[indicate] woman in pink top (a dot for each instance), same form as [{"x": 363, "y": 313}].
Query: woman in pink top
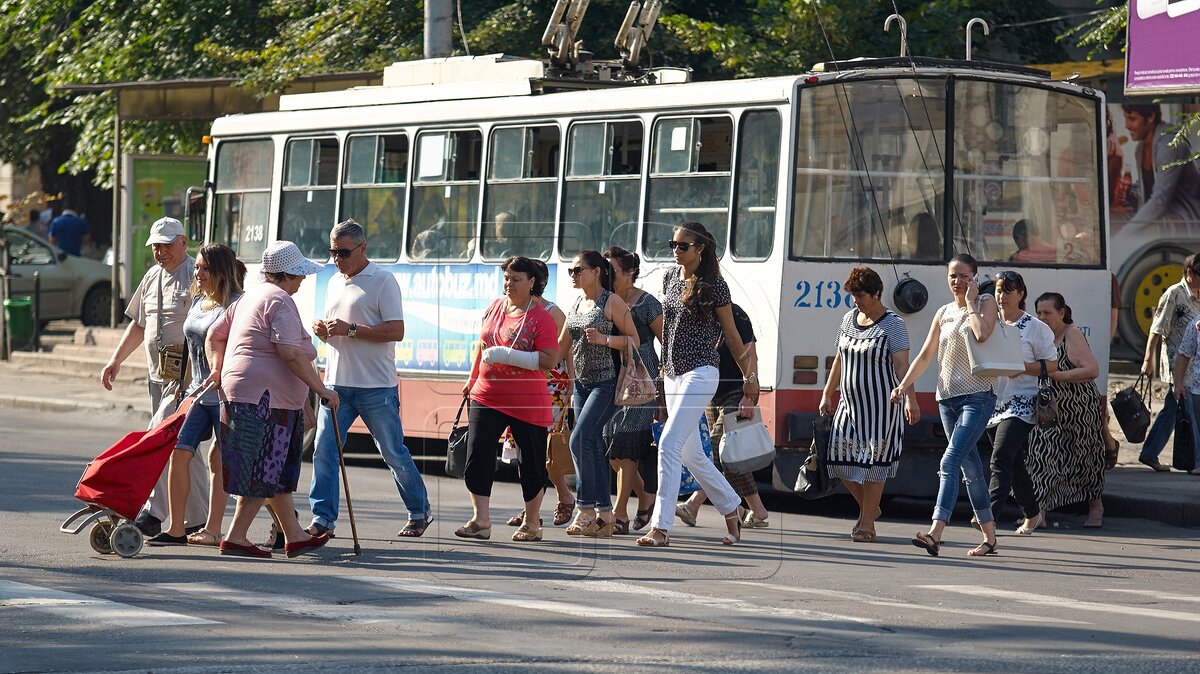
[
  {"x": 508, "y": 389},
  {"x": 261, "y": 358}
]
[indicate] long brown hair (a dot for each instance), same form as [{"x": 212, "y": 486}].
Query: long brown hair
[
  {"x": 228, "y": 271},
  {"x": 699, "y": 295}
]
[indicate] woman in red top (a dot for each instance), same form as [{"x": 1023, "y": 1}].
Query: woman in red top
[{"x": 507, "y": 388}]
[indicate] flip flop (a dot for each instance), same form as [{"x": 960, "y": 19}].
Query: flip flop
[
  {"x": 204, "y": 537},
  {"x": 923, "y": 540},
  {"x": 415, "y": 528},
  {"x": 642, "y": 520},
  {"x": 983, "y": 550}
]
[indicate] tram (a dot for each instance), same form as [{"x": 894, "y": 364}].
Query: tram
[{"x": 454, "y": 164}]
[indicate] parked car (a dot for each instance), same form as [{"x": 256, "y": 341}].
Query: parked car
[{"x": 71, "y": 287}]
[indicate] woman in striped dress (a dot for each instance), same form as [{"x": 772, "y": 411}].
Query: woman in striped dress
[
  {"x": 872, "y": 354},
  {"x": 1067, "y": 462},
  {"x": 965, "y": 401}
]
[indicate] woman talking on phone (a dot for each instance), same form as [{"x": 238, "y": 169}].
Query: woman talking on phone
[{"x": 965, "y": 401}]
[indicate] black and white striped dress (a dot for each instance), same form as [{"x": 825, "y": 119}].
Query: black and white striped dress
[
  {"x": 1066, "y": 462},
  {"x": 867, "y": 428}
]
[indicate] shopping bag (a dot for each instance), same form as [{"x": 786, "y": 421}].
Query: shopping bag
[
  {"x": 687, "y": 483},
  {"x": 1132, "y": 413},
  {"x": 1000, "y": 355},
  {"x": 456, "y": 445},
  {"x": 635, "y": 386},
  {"x": 813, "y": 481},
  {"x": 746, "y": 445}
]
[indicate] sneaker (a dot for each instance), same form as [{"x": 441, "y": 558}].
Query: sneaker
[{"x": 149, "y": 525}]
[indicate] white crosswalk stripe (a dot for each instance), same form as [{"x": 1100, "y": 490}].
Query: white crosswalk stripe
[
  {"x": 298, "y": 606},
  {"x": 1062, "y": 602},
  {"x": 855, "y": 597},
  {"x": 499, "y": 598},
  {"x": 88, "y": 609},
  {"x": 1154, "y": 594}
]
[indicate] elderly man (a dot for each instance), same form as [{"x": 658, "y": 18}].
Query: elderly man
[
  {"x": 156, "y": 311},
  {"x": 363, "y": 321},
  {"x": 1177, "y": 308}
]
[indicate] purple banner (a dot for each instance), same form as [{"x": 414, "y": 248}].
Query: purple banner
[{"x": 1163, "y": 53}]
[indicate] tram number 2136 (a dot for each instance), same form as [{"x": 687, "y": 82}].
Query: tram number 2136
[{"x": 822, "y": 295}]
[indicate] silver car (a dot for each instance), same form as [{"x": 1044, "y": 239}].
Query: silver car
[{"x": 72, "y": 287}]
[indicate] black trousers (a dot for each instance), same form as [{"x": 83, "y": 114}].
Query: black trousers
[
  {"x": 1010, "y": 444},
  {"x": 485, "y": 426}
]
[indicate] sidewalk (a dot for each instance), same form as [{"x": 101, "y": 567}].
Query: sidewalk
[{"x": 1131, "y": 489}]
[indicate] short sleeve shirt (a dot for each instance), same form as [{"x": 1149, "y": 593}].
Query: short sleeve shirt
[
  {"x": 1176, "y": 309},
  {"x": 1188, "y": 348},
  {"x": 263, "y": 318},
  {"x": 690, "y": 335},
  {"x": 176, "y": 301},
  {"x": 370, "y": 297},
  {"x": 731, "y": 373},
  {"x": 513, "y": 390},
  {"x": 1015, "y": 395}
]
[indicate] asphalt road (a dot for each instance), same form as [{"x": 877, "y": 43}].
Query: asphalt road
[{"x": 799, "y": 597}]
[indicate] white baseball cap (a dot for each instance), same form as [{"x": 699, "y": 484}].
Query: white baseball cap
[
  {"x": 284, "y": 257},
  {"x": 165, "y": 230}
]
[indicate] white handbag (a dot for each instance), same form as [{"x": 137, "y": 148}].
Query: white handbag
[
  {"x": 1000, "y": 355},
  {"x": 746, "y": 446}
]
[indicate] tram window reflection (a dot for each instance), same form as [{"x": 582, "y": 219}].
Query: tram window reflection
[
  {"x": 690, "y": 180},
  {"x": 602, "y": 186},
  {"x": 243, "y": 196},
  {"x": 522, "y": 188},
  {"x": 444, "y": 205},
  {"x": 374, "y": 189}
]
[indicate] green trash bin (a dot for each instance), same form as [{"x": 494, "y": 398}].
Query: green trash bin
[{"x": 18, "y": 317}]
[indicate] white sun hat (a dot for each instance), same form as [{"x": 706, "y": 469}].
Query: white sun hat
[
  {"x": 165, "y": 230},
  {"x": 283, "y": 257}
]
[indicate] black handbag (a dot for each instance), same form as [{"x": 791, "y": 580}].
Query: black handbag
[
  {"x": 456, "y": 445},
  {"x": 813, "y": 480},
  {"x": 1132, "y": 413},
  {"x": 1045, "y": 405},
  {"x": 1183, "y": 450}
]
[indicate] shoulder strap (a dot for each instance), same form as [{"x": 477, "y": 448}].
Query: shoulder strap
[{"x": 159, "y": 330}]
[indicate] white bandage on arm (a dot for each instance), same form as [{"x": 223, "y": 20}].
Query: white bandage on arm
[{"x": 509, "y": 356}]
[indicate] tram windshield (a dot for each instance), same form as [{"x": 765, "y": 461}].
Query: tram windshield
[{"x": 872, "y": 158}]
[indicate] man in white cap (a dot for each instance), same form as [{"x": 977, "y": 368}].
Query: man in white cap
[{"x": 156, "y": 313}]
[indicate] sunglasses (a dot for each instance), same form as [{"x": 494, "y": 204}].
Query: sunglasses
[
  {"x": 681, "y": 246},
  {"x": 1009, "y": 277},
  {"x": 344, "y": 252},
  {"x": 576, "y": 271}
]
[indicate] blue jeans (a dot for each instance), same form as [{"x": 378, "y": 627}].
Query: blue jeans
[
  {"x": 198, "y": 426},
  {"x": 1161, "y": 430},
  {"x": 964, "y": 418},
  {"x": 594, "y": 407},
  {"x": 380, "y": 411}
]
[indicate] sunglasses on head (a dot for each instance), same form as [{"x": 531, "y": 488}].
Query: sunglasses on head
[
  {"x": 343, "y": 252},
  {"x": 1009, "y": 277},
  {"x": 681, "y": 246},
  {"x": 576, "y": 271}
]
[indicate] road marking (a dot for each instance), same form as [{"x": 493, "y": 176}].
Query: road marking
[
  {"x": 298, "y": 606},
  {"x": 1167, "y": 596},
  {"x": 1062, "y": 602},
  {"x": 498, "y": 598},
  {"x": 736, "y": 605},
  {"x": 88, "y": 609},
  {"x": 876, "y": 601}
]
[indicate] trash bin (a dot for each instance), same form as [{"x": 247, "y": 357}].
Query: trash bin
[{"x": 18, "y": 317}]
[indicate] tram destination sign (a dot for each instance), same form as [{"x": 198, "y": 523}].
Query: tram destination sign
[{"x": 1162, "y": 56}]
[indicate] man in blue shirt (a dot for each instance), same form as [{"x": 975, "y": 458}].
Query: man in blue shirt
[{"x": 68, "y": 231}]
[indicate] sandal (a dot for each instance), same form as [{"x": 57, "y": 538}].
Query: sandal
[
  {"x": 642, "y": 520},
  {"x": 598, "y": 528},
  {"x": 863, "y": 536},
  {"x": 473, "y": 530},
  {"x": 736, "y": 516},
  {"x": 525, "y": 535},
  {"x": 652, "y": 540},
  {"x": 685, "y": 515},
  {"x": 923, "y": 540},
  {"x": 204, "y": 537},
  {"x": 753, "y": 521},
  {"x": 517, "y": 520},
  {"x": 579, "y": 525},
  {"x": 984, "y": 550},
  {"x": 416, "y": 528},
  {"x": 562, "y": 513},
  {"x": 620, "y": 527},
  {"x": 1028, "y": 529}
]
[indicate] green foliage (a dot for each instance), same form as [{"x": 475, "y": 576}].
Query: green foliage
[{"x": 1102, "y": 31}]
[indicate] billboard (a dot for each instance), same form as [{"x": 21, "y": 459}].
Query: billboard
[
  {"x": 155, "y": 186},
  {"x": 1161, "y": 55}
]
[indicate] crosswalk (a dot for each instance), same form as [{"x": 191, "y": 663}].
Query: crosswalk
[{"x": 380, "y": 599}]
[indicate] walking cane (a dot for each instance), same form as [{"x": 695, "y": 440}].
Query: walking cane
[{"x": 337, "y": 436}]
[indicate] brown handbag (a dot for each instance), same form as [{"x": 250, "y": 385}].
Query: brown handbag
[
  {"x": 634, "y": 384},
  {"x": 558, "y": 451}
]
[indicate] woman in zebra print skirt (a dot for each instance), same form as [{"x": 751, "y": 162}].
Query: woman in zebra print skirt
[
  {"x": 1067, "y": 462},
  {"x": 872, "y": 356}
]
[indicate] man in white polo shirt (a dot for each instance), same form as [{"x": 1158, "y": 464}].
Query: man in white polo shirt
[{"x": 363, "y": 321}]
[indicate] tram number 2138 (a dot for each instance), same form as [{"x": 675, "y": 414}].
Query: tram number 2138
[{"x": 822, "y": 295}]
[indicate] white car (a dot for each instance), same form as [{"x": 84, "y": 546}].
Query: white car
[{"x": 71, "y": 287}]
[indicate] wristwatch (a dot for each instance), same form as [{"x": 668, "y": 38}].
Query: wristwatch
[
  {"x": 352, "y": 333},
  {"x": 751, "y": 378}
]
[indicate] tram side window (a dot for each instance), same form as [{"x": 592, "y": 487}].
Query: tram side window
[
  {"x": 757, "y": 183},
  {"x": 243, "y": 196},
  {"x": 1026, "y": 175},
  {"x": 602, "y": 187},
  {"x": 373, "y": 190},
  {"x": 445, "y": 195},
  {"x": 869, "y": 174},
  {"x": 309, "y": 189},
  {"x": 522, "y": 185},
  {"x": 689, "y": 180}
]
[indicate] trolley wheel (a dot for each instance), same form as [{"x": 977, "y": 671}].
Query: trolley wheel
[
  {"x": 98, "y": 537},
  {"x": 126, "y": 540}
]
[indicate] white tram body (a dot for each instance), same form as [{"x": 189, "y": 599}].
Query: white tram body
[{"x": 896, "y": 164}]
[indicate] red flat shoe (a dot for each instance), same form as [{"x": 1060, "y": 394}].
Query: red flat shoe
[
  {"x": 239, "y": 550},
  {"x": 297, "y": 549}
]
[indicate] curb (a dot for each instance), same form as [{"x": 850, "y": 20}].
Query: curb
[
  {"x": 1173, "y": 513},
  {"x": 59, "y": 406}
]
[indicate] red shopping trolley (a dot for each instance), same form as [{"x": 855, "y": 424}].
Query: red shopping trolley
[{"x": 116, "y": 484}]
